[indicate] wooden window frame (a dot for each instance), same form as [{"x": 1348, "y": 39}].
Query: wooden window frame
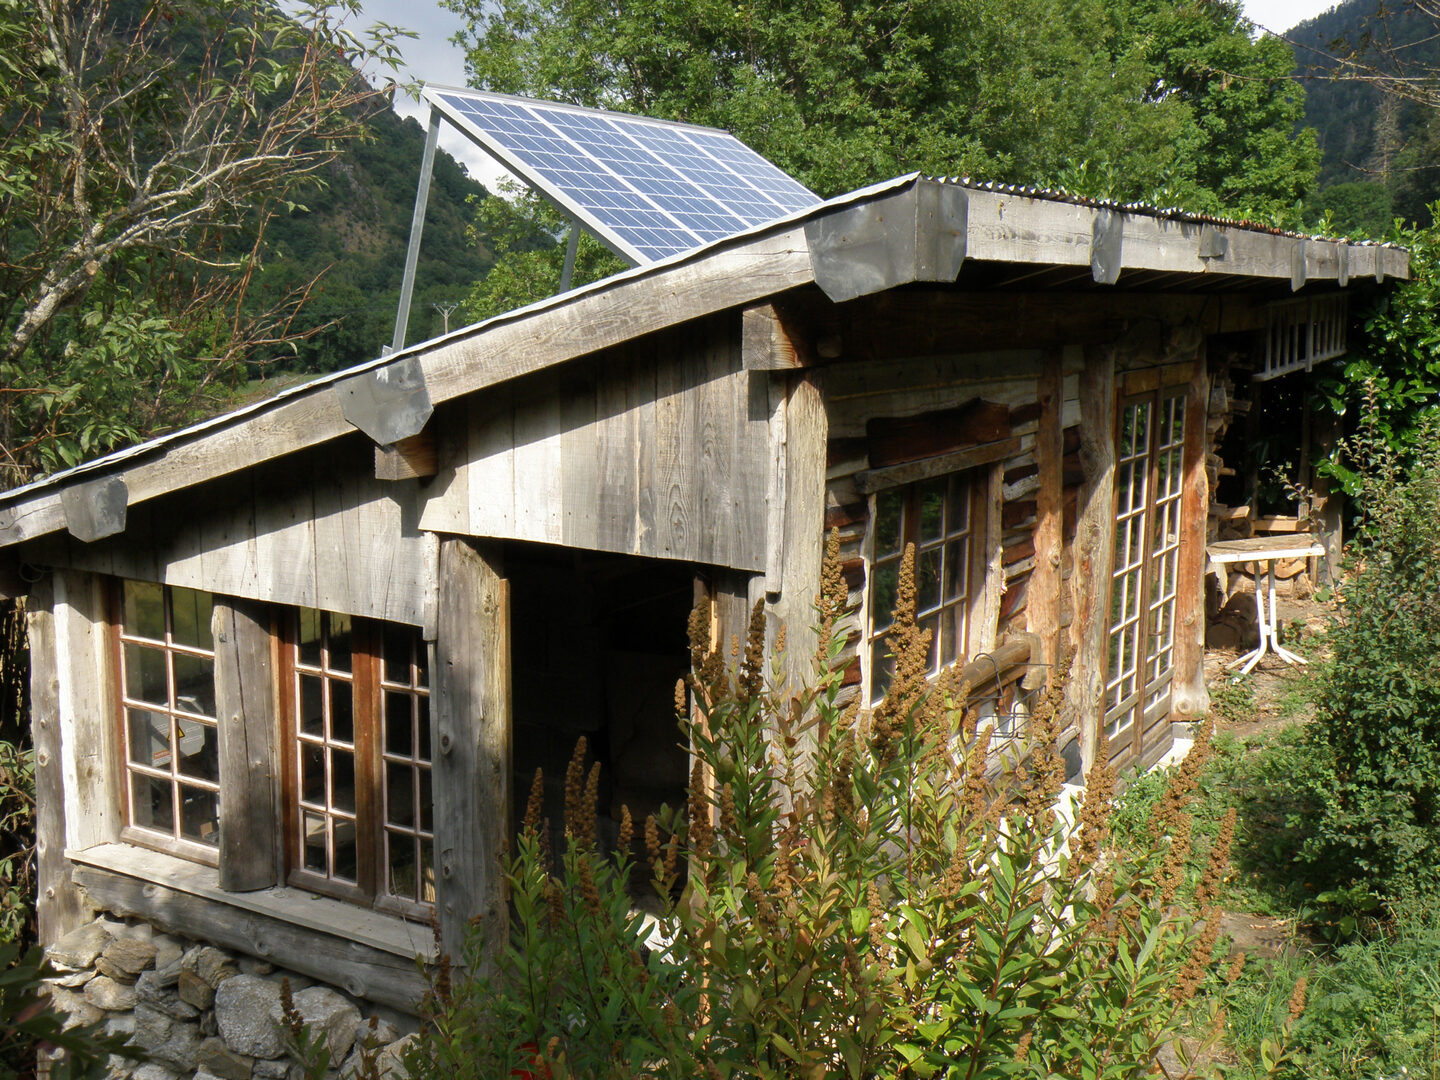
[
  {"x": 973, "y": 601},
  {"x": 147, "y": 836},
  {"x": 1137, "y": 709},
  {"x": 370, "y": 688}
]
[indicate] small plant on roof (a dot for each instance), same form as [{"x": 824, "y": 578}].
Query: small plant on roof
[{"x": 845, "y": 894}]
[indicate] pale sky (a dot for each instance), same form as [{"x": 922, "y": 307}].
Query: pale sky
[{"x": 432, "y": 58}]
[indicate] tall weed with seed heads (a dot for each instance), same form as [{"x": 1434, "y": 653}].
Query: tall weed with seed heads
[{"x": 847, "y": 893}]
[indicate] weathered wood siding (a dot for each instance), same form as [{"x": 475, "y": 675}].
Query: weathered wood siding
[
  {"x": 315, "y": 529},
  {"x": 654, "y": 448}
]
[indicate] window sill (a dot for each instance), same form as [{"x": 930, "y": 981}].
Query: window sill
[{"x": 387, "y": 933}]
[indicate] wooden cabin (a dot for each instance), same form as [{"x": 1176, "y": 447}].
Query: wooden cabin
[{"x": 293, "y": 666}]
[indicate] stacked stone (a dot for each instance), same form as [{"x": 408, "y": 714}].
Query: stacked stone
[{"x": 196, "y": 1012}]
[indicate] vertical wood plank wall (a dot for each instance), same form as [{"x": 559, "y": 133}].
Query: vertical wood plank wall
[
  {"x": 312, "y": 530},
  {"x": 657, "y": 448}
]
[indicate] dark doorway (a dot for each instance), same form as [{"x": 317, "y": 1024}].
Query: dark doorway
[{"x": 598, "y": 644}]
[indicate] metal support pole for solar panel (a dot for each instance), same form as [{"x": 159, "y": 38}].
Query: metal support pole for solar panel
[
  {"x": 417, "y": 226},
  {"x": 572, "y": 245}
]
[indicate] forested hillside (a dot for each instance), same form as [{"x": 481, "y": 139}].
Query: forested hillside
[
  {"x": 1378, "y": 148},
  {"x": 354, "y": 230}
]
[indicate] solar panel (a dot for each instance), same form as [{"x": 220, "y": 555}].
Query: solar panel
[{"x": 647, "y": 188}]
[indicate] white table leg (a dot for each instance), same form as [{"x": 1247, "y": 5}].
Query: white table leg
[
  {"x": 1280, "y": 651},
  {"x": 1262, "y": 625}
]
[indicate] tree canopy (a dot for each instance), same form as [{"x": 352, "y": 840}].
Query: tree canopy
[
  {"x": 138, "y": 139},
  {"x": 1132, "y": 98}
]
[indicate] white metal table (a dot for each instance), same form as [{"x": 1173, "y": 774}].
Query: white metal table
[{"x": 1263, "y": 552}]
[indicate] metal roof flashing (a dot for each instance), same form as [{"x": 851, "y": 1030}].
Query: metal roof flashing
[{"x": 908, "y": 229}]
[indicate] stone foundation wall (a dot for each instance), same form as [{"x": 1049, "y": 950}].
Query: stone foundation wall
[{"x": 197, "y": 1012}]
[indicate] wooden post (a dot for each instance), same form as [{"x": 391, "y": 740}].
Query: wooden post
[
  {"x": 471, "y": 703},
  {"x": 1188, "y": 696},
  {"x": 59, "y": 906},
  {"x": 246, "y": 711},
  {"x": 803, "y": 526},
  {"x": 87, "y": 709},
  {"x": 1094, "y": 549},
  {"x": 1042, "y": 609}
]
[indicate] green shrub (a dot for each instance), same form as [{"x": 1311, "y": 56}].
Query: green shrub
[
  {"x": 29, "y": 1026},
  {"x": 846, "y": 894},
  {"x": 17, "y": 843},
  {"x": 1376, "y": 739}
]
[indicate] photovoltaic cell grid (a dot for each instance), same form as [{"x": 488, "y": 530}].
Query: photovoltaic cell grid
[{"x": 651, "y": 188}]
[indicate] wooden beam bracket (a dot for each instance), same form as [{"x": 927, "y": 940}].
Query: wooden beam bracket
[
  {"x": 95, "y": 510},
  {"x": 918, "y": 234},
  {"x": 387, "y": 403},
  {"x": 1106, "y": 237}
]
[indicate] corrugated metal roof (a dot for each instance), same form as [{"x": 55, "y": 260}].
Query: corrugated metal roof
[{"x": 1147, "y": 209}]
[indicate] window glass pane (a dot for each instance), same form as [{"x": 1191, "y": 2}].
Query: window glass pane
[
  {"x": 151, "y": 808},
  {"x": 927, "y": 580},
  {"x": 342, "y": 711},
  {"x": 342, "y": 780},
  {"x": 958, "y": 511},
  {"x": 313, "y": 832},
  {"x": 400, "y": 794},
  {"x": 397, "y": 646},
  {"x": 427, "y": 871},
  {"x": 199, "y": 815},
  {"x": 427, "y": 806},
  {"x": 422, "y": 662},
  {"x": 194, "y": 684},
  {"x": 947, "y": 636},
  {"x": 957, "y": 566},
  {"x": 338, "y": 641},
  {"x": 144, "y": 612},
  {"x": 312, "y": 713},
  {"x": 145, "y": 674},
  {"x": 932, "y": 510},
  {"x": 309, "y": 637},
  {"x": 346, "y": 867},
  {"x": 399, "y": 738},
  {"x": 889, "y": 510},
  {"x": 401, "y": 869},
  {"x": 423, "y": 724},
  {"x": 884, "y": 580},
  {"x": 882, "y": 667},
  {"x": 312, "y": 774},
  {"x": 933, "y": 625},
  {"x": 190, "y": 618},
  {"x": 199, "y": 750},
  {"x": 149, "y": 738}
]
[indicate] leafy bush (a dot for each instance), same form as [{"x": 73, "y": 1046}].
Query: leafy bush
[
  {"x": 17, "y": 842},
  {"x": 847, "y": 894},
  {"x": 1376, "y": 739},
  {"x": 29, "y": 1026}
]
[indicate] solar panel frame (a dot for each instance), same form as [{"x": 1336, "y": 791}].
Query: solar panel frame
[{"x": 648, "y": 189}]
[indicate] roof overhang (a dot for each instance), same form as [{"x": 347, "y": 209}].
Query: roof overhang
[{"x": 903, "y": 231}]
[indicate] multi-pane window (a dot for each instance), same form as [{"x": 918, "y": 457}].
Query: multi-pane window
[
  {"x": 359, "y": 809},
  {"x": 1148, "y": 480},
  {"x": 941, "y": 518},
  {"x": 168, "y": 728}
]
